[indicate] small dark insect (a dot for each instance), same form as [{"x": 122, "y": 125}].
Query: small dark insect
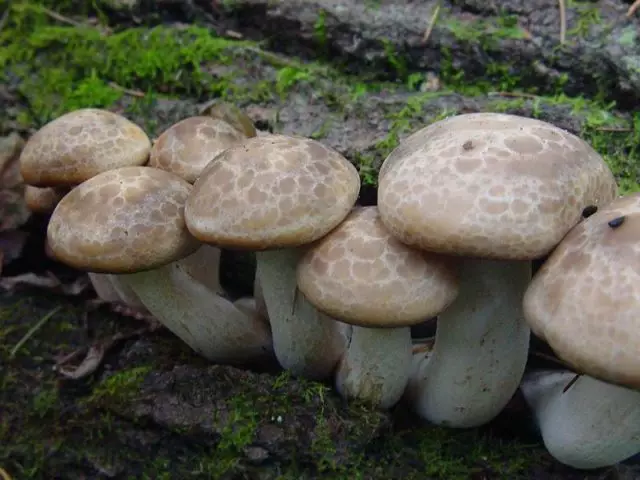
[
  {"x": 616, "y": 222},
  {"x": 570, "y": 384},
  {"x": 589, "y": 210},
  {"x": 468, "y": 145}
]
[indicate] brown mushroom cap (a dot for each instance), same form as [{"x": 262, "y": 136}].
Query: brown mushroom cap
[
  {"x": 81, "y": 144},
  {"x": 271, "y": 192},
  {"x": 490, "y": 185},
  {"x": 43, "y": 199},
  {"x": 188, "y": 146},
  {"x": 361, "y": 275},
  {"x": 122, "y": 221},
  {"x": 231, "y": 114},
  {"x": 585, "y": 300}
]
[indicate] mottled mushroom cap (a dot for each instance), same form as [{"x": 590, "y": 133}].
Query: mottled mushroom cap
[
  {"x": 585, "y": 300},
  {"x": 361, "y": 275},
  {"x": 271, "y": 192},
  {"x": 43, "y": 199},
  {"x": 122, "y": 221},
  {"x": 188, "y": 146},
  {"x": 490, "y": 185},
  {"x": 231, "y": 114},
  {"x": 80, "y": 144}
]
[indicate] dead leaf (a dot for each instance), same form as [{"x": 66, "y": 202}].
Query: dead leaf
[
  {"x": 89, "y": 364},
  {"x": 48, "y": 281},
  {"x": 95, "y": 354}
]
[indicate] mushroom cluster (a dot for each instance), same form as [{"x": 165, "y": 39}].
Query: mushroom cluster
[{"x": 464, "y": 207}]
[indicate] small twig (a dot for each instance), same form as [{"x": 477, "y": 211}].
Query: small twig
[
  {"x": 632, "y": 9},
  {"x": 432, "y": 24},
  {"x": 61, "y": 18},
  {"x": 563, "y": 21},
  {"x": 128, "y": 91},
  {"x": 33, "y": 330},
  {"x": 5, "y": 15},
  {"x": 513, "y": 95},
  {"x": 614, "y": 129},
  {"x": 4, "y": 475},
  {"x": 570, "y": 384}
]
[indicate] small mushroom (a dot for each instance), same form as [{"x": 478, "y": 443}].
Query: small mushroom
[
  {"x": 362, "y": 276},
  {"x": 43, "y": 199},
  {"x": 130, "y": 221},
  {"x": 274, "y": 195},
  {"x": 585, "y": 303},
  {"x": 231, "y": 114},
  {"x": 497, "y": 191}
]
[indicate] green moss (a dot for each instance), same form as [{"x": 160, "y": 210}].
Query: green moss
[{"x": 119, "y": 388}]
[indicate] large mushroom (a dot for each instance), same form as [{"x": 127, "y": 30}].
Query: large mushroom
[
  {"x": 130, "y": 221},
  {"x": 585, "y": 303},
  {"x": 497, "y": 191},
  {"x": 362, "y": 276},
  {"x": 73, "y": 148},
  {"x": 274, "y": 195}
]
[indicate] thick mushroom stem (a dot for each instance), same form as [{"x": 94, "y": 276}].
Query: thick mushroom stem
[
  {"x": 306, "y": 342},
  {"x": 376, "y": 365},
  {"x": 208, "y": 323},
  {"x": 592, "y": 424},
  {"x": 480, "y": 349}
]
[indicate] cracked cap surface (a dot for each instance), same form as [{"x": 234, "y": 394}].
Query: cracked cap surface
[
  {"x": 122, "y": 221},
  {"x": 188, "y": 146},
  {"x": 274, "y": 191},
  {"x": 585, "y": 300},
  {"x": 80, "y": 144},
  {"x": 490, "y": 185},
  {"x": 362, "y": 275}
]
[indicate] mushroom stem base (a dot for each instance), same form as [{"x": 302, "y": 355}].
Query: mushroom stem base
[
  {"x": 376, "y": 365},
  {"x": 210, "y": 324},
  {"x": 306, "y": 342},
  {"x": 480, "y": 350},
  {"x": 593, "y": 424}
]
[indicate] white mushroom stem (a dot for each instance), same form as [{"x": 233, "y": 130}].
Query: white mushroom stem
[
  {"x": 593, "y": 424},
  {"x": 208, "y": 323},
  {"x": 480, "y": 349},
  {"x": 204, "y": 266},
  {"x": 376, "y": 365},
  {"x": 306, "y": 342},
  {"x": 104, "y": 288}
]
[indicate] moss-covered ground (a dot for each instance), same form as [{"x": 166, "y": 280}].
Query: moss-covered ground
[
  {"x": 128, "y": 421},
  {"x": 63, "y": 55}
]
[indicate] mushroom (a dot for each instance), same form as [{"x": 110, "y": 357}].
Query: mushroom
[
  {"x": 497, "y": 191},
  {"x": 185, "y": 149},
  {"x": 71, "y": 149},
  {"x": 130, "y": 221},
  {"x": 274, "y": 195},
  {"x": 43, "y": 199},
  {"x": 361, "y": 275},
  {"x": 230, "y": 114},
  {"x": 585, "y": 303}
]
